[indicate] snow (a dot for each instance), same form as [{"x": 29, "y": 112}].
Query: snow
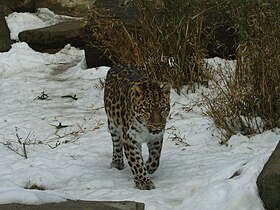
[{"x": 196, "y": 172}]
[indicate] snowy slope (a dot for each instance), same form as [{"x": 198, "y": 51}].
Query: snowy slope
[{"x": 196, "y": 172}]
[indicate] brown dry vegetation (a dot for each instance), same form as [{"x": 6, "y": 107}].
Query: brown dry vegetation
[
  {"x": 168, "y": 43},
  {"x": 249, "y": 101}
]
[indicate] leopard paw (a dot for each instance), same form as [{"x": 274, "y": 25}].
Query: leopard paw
[
  {"x": 117, "y": 164},
  {"x": 145, "y": 184},
  {"x": 151, "y": 167}
]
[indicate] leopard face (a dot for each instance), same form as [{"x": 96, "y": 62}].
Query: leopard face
[{"x": 151, "y": 105}]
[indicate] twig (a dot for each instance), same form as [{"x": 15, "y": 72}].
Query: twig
[
  {"x": 9, "y": 146},
  {"x": 98, "y": 108},
  {"x": 18, "y": 138},
  {"x": 43, "y": 96},
  {"x": 23, "y": 143},
  {"x": 74, "y": 97},
  {"x": 59, "y": 126},
  {"x": 176, "y": 136},
  {"x": 24, "y": 150}
]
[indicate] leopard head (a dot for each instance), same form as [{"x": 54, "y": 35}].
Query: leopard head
[{"x": 151, "y": 104}]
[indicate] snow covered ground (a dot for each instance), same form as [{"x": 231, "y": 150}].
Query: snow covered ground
[{"x": 68, "y": 147}]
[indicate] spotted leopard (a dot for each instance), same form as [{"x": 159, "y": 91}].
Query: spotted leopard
[{"x": 137, "y": 109}]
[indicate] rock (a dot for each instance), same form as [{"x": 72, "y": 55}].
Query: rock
[
  {"x": 55, "y": 36},
  {"x": 5, "y": 40},
  {"x": 66, "y": 7},
  {"x": 62, "y": 7},
  {"x": 81, "y": 205},
  {"x": 95, "y": 58},
  {"x": 268, "y": 181},
  {"x": 223, "y": 44},
  {"x": 123, "y": 12},
  {"x": 18, "y": 6}
]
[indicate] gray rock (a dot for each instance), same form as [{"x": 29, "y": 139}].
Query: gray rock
[
  {"x": 269, "y": 181},
  {"x": 79, "y": 205},
  {"x": 18, "y": 6},
  {"x": 5, "y": 41},
  {"x": 56, "y": 36},
  {"x": 95, "y": 58}
]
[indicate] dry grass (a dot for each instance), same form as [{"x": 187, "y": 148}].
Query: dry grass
[
  {"x": 165, "y": 43},
  {"x": 168, "y": 43},
  {"x": 249, "y": 99}
]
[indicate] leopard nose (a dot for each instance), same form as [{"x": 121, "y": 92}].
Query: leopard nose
[{"x": 156, "y": 118}]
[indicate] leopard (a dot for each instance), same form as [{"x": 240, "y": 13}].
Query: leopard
[{"x": 137, "y": 108}]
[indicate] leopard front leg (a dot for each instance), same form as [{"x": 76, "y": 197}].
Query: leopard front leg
[
  {"x": 154, "y": 155},
  {"x": 137, "y": 166},
  {"x": 116, "y": 134}
]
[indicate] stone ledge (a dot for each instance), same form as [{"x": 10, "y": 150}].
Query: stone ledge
[
  {"x": 55, "y": 36},
  {"x": 79, "y": 205}
]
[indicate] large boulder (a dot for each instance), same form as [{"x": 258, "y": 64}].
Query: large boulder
[
  {"x": 55, "y": 36},
  {"x": 269, "y": 181},
  {"x": 5, "y": 41}
]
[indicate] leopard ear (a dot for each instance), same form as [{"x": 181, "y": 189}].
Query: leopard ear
[
  {"x": 137, "y": 90},
  {"x": 165, "y": 88}
]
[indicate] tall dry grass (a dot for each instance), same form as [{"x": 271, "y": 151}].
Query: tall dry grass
[
  {"x": 165, "y": 42},
  {"x": 249, "y": 99},
  {"x": 168, "y": 43}
]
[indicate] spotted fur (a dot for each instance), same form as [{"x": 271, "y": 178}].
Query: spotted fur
[{"x": 137, "y": 109}]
